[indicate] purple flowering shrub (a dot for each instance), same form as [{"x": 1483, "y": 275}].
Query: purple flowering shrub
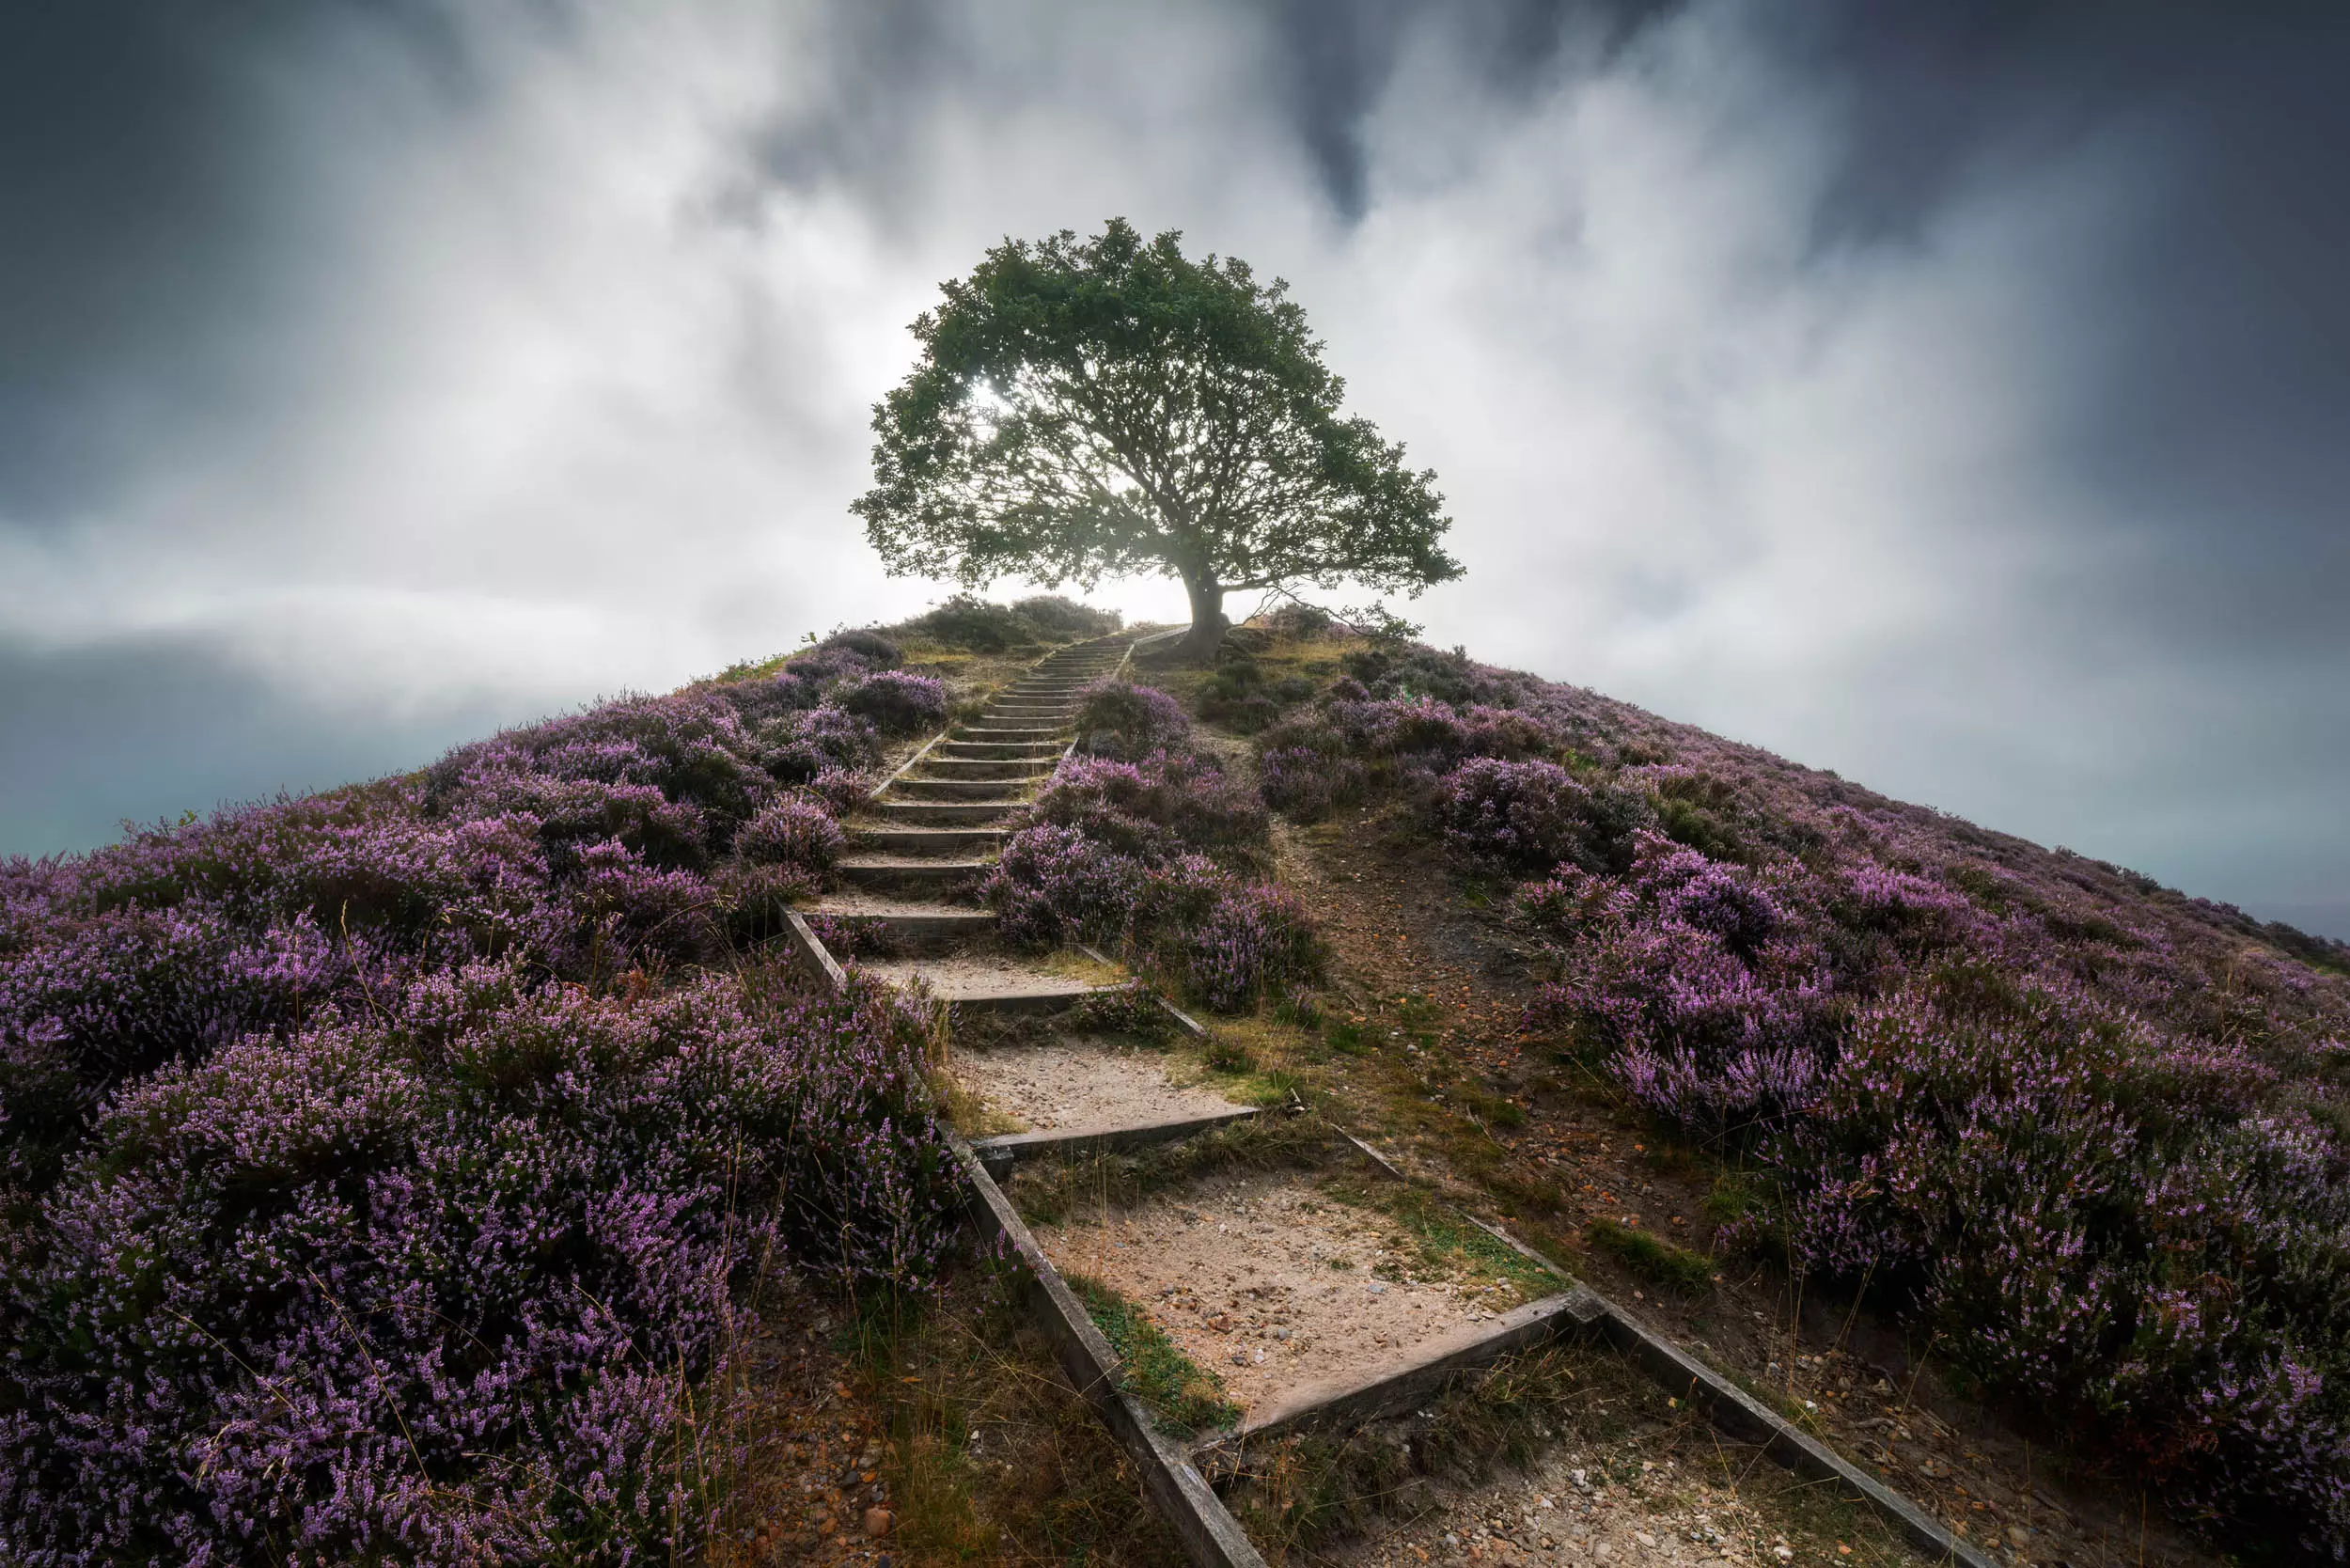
[
  {"x": 894, "y": 702},
  {"x": 1151, "y": 858},
  {"x": 804, "y": 747},
  {"x": 1689, "y": 979},
  {"x": 378, "y": 1169},
  {"x": 1121, "y": 720},
  {"x": 795, "y": 831},
  {"x": 1532, "y": 815},
  {"x": 1168, "y": 803},
  {"x": 2130, "y": 1231},
  {"x": 2092, "y": 1131},
  {"x": 446, "y": 1283}
]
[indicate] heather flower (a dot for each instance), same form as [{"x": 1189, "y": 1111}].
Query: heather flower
[
  {"x": 795, "y": 833},
  {"x": 1121, "y": 720},
  {"x": 802, "y": 746},
  {"x": 897, "y": 703}
]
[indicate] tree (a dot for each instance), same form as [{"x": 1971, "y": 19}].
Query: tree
[{"x": 1083, "y": 408}]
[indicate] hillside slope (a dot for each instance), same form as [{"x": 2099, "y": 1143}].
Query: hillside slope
[
  {"x": 2086, "y": 1131},
  {"x": 400, "y": 1168}
]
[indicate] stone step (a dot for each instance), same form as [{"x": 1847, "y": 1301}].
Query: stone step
[
  {"x": 1030, "y": 768},
  {"x": 913, "y": 926},
  {"x": 994, "y": 982},
  {"x": 932, "y": 813},
  {"x": 1057, "y": 739},
  {"x": 1000, "y": 791},
  {"x": 910, "y": 871},
  {"x": 1037, "y": 751},
  {"x": 893, "y": 839}
]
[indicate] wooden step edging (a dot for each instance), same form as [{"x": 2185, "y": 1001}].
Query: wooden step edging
[
  {"x": 1736, "y": 1414},
  {"x": 1000, "y": 1153},
  {"x": 1212, "y": 1538},
  {"x": 1403, "y": 1387}
]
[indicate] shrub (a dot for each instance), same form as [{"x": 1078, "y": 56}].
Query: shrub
[
  {"x": 1168, "y": 803},
  {"x": 1254, "y": 940},
  {"x": 1121, "y": 720},
  {"x": 968, "y": 622},
  {"x": 800, "y": 834},
  {"x": 1530, "y": 816},
  {"x": 804, "y": 746},
  {"x": 1058, "y": 619},
  {"x": 895, "y": 702},
  {"x": 445, "y": 1286},
  {"x": 1114, "y": 854},
  {"x": 2108, "y": 1223},
  {"x": 876, "y": 649}
]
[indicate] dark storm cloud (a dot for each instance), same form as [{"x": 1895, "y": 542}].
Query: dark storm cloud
[
  {"x": 90, "y": 732},
  {"x": 1952, "y": 394}
]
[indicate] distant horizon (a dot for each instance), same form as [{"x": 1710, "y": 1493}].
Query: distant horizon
[{"x": 169, "y": 813}]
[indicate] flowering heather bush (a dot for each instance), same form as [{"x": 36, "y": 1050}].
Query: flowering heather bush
[
  {"x": 896, "y": 703},
  {"x": 1530, "y": 816},
  {"x": 1305, "y": 783},
  {"x": 1255, "y": 939},
  {"x": 2129, "y": 1231},
  {"x": 791, "y": 832},
  {"x": 876, "y": 649},
  {"x": 1684, "y": 974},
  {"x": 342, "y": 1222},
  {"x": 1168, "y": 803},
  {"x": 440, "y": 1285},
  {"x": 804, "y": 747},
  {"x": 1121, "y": 720},
  {"x": 1125, "y": 855}
]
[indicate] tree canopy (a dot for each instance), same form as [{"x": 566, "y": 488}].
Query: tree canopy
[{"x": 1085, "y": 408}]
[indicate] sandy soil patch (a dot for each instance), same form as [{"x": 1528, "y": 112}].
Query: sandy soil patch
[
  {"x": 1270, "y": 1282},
  {"x": 1568, "y": 1509},
  {"x": 961, "y": 975},
  {"x": 1069, "y": 1085}
]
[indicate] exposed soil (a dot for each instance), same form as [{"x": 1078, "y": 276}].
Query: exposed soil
[
  {"x": 1081, "y": 1083},
  {"x": 818, "y": 1450},
  {"x": 973, "y": 974},
  {"x": 1568, "y": 1509},
  {"x": 1272, "y": 1283}
]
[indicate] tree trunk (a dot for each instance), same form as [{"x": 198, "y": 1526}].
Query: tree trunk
[{"x": 1208, "y": 624}]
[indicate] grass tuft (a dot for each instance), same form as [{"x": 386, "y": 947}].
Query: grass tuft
[
  {"x": 1654, "y": 1259},
  {"x": 1183, "y": 1397}
]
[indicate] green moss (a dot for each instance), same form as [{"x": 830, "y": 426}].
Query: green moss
[
  {"x": 1183, "y": 1397},
  {"x": 1653, "y": 1258}
]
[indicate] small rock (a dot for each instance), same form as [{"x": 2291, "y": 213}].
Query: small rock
[
  {"x": 1240, "y": 1356},
  {"x": 1785, "y": 1554},
  {"x": 2018, "y": 1535},
  {"x": 1280, "y": 1333},
  {"x": 1645, "y": 1538},
  {"x": 877, "y": 1523},
  {"x": 1377, "y": 1289}
]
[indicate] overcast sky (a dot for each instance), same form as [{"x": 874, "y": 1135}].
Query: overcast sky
[{"x": 1957, "y": 396}]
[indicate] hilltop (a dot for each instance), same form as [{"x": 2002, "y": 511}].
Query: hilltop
[{"x": 464, "y": 1165}]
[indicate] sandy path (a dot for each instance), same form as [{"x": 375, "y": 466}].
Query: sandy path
[
  {"x": 1240, "y": 1273},
  {"x": 1072, "y": 1084}
]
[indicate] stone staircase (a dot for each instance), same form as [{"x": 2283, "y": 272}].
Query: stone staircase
[{"x": 930, "y": 832}]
